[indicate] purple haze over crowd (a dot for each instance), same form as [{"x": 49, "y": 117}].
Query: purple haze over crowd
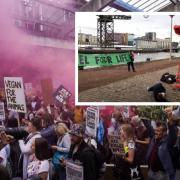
[{"x": 31, "y": 62}]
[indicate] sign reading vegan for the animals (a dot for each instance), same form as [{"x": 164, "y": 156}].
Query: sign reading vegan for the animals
[
  {"x": 2, "y": 112},
  {"x": 92, "y": 120},
  {"x": 98, "y": 60},
  {"x": 74, "y": 171},
  {"x": 15, "y": 97},
  {"x": 115, "y": 144},
  {"x": 61, "y": 94}
]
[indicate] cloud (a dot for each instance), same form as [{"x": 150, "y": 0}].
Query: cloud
[{"x": 137, "y": 25}]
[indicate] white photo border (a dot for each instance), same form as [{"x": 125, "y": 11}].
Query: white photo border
[{"x": 76, "y": 63}]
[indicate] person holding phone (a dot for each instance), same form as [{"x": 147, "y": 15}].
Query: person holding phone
[{"x": 62, "y": 149}]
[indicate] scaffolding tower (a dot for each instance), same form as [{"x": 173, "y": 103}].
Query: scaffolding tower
[
  {"x": 105, "y": 29},
  {"x": 44, "y": 18}
]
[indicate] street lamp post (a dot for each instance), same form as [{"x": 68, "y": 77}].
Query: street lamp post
[{"x": 171, "y": 16}]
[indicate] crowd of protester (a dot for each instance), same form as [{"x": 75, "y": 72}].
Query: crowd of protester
[{"x": 37, "y": 145}]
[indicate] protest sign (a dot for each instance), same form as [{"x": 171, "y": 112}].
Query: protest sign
[
  {"x": 47, "y": 91},
  {"x": 2, "y": 112},
  {"x": 92, "y": 120},
  {"x": 15, "y": 97},
  {"x": 99, "y": 60},
  {"x": 61, "y": 94},
  {"x": 115, "y": 144},
  {"x": 74, "y": 171}
]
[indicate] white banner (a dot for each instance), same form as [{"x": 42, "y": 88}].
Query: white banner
[
  {"x": 14, "y": 89},
  {"x": 92, "y": 121},
  {"x": 74, "y": 171},
  {"x": 2, "y": 112}
]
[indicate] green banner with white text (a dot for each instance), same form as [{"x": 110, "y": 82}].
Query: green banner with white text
[{"x": 99, "y": 60}]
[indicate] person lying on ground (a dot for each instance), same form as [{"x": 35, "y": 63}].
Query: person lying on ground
[{"x": 159, "y": 92}]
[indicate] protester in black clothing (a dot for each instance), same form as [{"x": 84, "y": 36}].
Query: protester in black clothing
[
  {"x": 141, "y": 138},
  {"x": 126, "y": 163},
  {"x": 131, "y": 63},
  {"x": 159, "y": 92},
  {"x": 80, "y": 151}
]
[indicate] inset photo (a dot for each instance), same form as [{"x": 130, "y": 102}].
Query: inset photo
[{"x": 131, "y": 57}]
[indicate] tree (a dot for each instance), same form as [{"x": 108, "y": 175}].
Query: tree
[{"x": 152, "y": 112}]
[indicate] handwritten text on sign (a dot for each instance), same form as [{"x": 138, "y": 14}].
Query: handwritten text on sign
[
  {"x": 15, "y": 94},
  {"x": 115, "y": 144},
  {"x": 61, "y": 94}
]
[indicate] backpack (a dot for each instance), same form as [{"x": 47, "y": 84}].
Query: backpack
[
  {"x": 164, "y": 77},
  {"x": 168, "y": 78}
]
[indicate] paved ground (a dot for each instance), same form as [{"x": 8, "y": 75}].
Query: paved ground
[
  {"x": 92, "y": 78},
  {"x": 132, "y": 89}
]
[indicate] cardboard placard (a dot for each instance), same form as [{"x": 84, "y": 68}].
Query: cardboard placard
[
  {"x": 2, "y": 112},
  {"x": 61, "y": 94},
  {"x": 74, "y": 171},
  {"x": 92, "y": 121},
  {"x": 115, "y": 144},
  {"x": 14, "y": 89}
]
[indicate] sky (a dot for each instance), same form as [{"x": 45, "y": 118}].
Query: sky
[{"x": 138, "y": 25}]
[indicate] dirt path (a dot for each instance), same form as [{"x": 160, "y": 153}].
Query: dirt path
[{"x": 132, "y": 88}]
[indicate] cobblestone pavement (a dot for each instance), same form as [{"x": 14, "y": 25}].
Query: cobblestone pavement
[{"x": 133, "y": 89}]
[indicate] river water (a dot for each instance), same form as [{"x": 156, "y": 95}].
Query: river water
[{"x": 141, "y": 57}]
